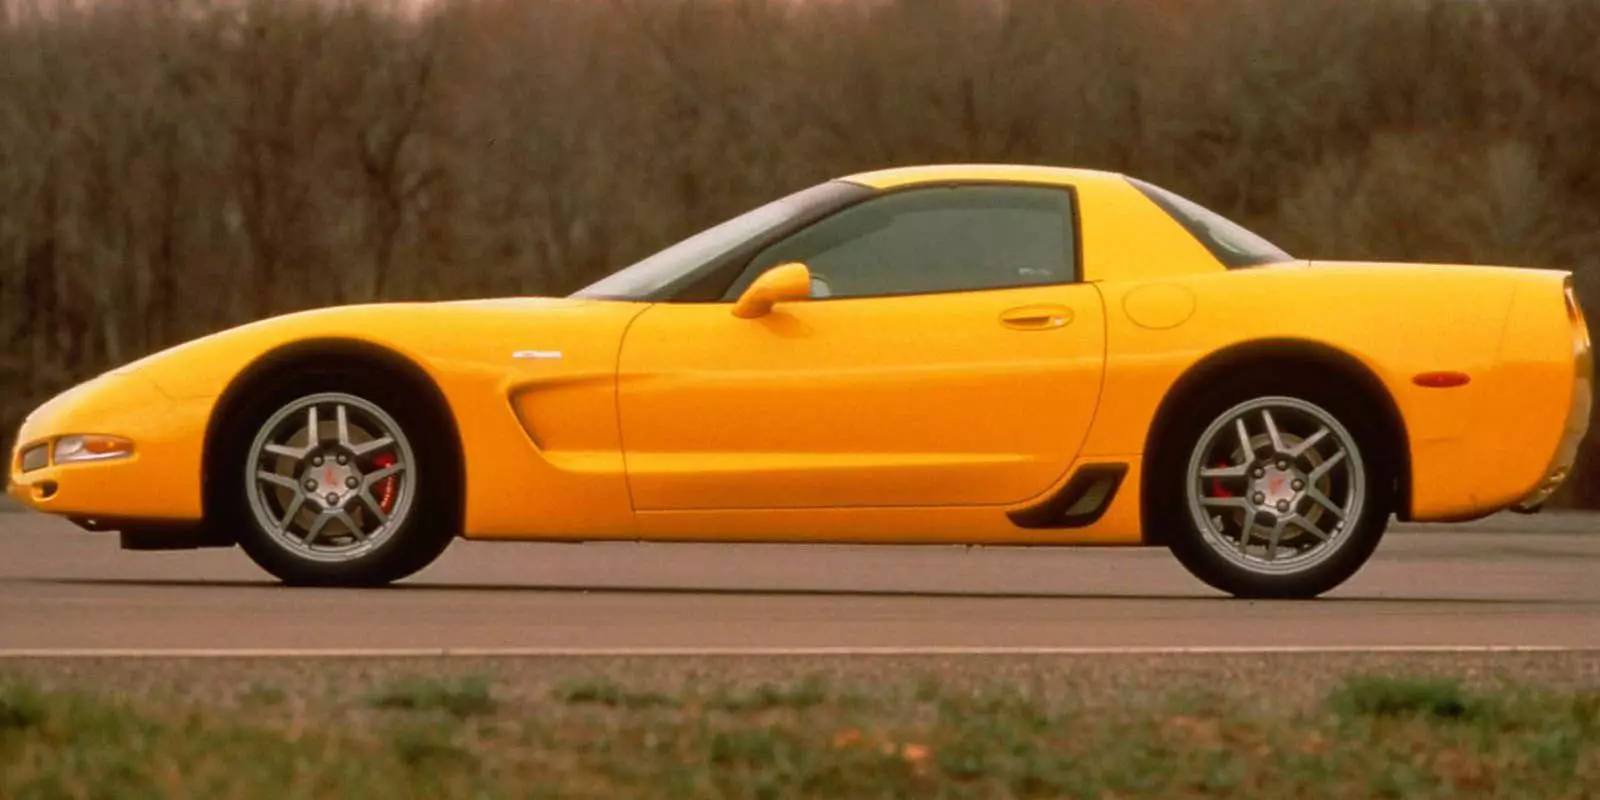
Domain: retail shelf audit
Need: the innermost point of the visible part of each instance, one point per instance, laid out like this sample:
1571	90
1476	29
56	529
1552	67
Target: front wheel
1280	492
331	485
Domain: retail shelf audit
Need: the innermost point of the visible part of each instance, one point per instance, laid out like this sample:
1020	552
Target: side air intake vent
1079	503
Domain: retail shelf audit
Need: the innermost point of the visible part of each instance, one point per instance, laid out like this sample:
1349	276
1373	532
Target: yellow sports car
978	354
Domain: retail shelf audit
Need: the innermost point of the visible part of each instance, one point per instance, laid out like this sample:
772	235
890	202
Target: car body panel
160	479
949	525
1354	310
928	400
570	483
706	399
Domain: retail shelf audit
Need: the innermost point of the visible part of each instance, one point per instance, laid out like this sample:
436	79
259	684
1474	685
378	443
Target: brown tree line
172	167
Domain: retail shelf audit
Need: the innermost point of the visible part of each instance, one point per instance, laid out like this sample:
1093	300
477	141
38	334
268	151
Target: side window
933	240
1231	243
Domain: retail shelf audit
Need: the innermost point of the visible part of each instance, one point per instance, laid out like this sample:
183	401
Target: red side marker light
1441	380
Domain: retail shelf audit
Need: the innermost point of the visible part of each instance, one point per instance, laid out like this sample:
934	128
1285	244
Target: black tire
1169	485
430	522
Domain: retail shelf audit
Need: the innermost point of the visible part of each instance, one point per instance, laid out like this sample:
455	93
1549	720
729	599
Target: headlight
91	447
36	457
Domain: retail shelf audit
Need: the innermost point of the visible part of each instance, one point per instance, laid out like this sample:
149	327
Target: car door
948	356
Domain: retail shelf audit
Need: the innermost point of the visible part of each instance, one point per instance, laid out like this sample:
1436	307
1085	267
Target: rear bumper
1579	412
1522	419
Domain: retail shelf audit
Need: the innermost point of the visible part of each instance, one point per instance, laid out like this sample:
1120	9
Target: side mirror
786	283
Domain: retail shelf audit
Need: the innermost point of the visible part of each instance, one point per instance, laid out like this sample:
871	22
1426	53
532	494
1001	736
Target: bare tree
171	167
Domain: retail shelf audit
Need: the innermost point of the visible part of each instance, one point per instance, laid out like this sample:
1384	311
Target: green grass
1382	696
464	697
606	692
1370	736
22	708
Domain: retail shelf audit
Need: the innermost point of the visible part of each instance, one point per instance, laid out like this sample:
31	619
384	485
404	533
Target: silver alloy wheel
1275	485
330	477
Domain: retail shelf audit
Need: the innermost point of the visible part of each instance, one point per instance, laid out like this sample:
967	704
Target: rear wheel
1275	488
330	485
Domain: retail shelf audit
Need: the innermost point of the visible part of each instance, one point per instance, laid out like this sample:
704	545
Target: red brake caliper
387	487
1217	489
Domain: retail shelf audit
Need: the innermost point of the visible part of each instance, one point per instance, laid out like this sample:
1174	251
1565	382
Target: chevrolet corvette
955	354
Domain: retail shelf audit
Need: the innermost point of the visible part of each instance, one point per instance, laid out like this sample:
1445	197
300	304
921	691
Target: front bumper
159	481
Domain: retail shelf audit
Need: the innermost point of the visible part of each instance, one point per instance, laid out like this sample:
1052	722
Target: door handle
1036	318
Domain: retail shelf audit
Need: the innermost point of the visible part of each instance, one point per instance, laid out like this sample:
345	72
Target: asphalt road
1504	582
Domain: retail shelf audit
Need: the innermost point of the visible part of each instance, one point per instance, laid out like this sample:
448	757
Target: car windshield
1232	243
681	262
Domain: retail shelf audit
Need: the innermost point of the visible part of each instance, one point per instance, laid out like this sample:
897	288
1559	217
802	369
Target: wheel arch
1279	353
343	351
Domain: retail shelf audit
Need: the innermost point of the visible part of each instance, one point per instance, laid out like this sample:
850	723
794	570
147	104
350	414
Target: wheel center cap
1276	485
332	480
